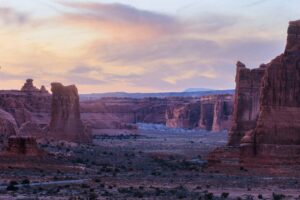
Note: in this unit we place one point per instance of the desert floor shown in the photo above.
(154, 163)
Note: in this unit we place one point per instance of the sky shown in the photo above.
(138, 45)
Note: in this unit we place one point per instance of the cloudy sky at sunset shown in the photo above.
(138, 45)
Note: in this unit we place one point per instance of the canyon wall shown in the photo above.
(183, 115)
(27, 104)
(246, 105)
(31, 109)
(212, 113)
(276, 137)
(266, 122)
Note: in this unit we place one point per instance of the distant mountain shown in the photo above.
(197, 90)
(94, 96)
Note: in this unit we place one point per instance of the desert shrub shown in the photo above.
(225, 195)
(83, 185)
(25, 182)
(12, 186)
(138, 194)
(93, 196)
(97, 180)
(209, 196)
(277, 196)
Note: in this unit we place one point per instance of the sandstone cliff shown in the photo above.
(267, 108)
(246, 105)
(186, 115)
(27, 105)
(66, 121)
(212, 113)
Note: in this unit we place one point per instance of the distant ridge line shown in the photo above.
(94, 96)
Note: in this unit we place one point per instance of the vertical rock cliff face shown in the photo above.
(277, 133)
(223, 110)
(65, 122)
(183, 116)
(212, 113)
(267, 108)
(246, 105)
(206, 115)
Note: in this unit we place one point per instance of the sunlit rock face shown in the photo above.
(267, 114)
(66, 122)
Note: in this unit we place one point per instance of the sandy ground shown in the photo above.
(155, 164)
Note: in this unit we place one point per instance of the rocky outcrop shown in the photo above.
(23, 146)
(175, 112)
(66, 121)
(212, 113)
(183, 116)
(27, 105)
(246, 106)
(106, 113)
(276, 136)
(223, 110)
(44, 90)
(32, 129)
(8, 126)
(29, 87)
(267, 108)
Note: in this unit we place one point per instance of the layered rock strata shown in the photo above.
(246, 105)
(184, 115)
(28, 104)
(212, 113)
(266, 125)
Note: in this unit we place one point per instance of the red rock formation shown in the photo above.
(276, 137)
(267, 108)
(246, 106)
(223, 110)
(108, 113)
(27, 105)
(43, 89)
(23, 146)
(8, 126)
(208, 112)
(183, 116)
(66, 122)
(29, 87)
